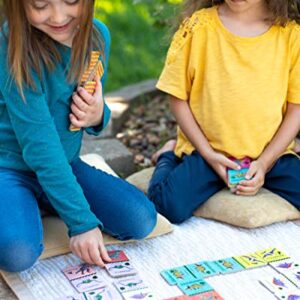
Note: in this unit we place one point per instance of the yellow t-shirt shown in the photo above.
(237, 87)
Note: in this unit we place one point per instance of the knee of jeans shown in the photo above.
(176, 215)
(17, 256)
(142, 222)
(173, 206)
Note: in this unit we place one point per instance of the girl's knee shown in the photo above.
(172, 206)
(17, 256)
(175, 214)
(142, 221)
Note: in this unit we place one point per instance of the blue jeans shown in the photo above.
(178, 186)
(125, 212)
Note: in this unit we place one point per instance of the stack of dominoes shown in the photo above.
(90, 285)
(95, 68)
(191, 278)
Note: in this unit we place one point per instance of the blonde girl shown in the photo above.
(45, 47)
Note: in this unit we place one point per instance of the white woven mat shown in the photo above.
(195, 240)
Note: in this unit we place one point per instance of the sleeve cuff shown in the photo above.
(84, 228)
(96, 130)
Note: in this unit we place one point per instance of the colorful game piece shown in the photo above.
(169, 279)
(181, 297)
(73, 297)
(286, 265)
(120, 269)
(105, 293)
(293, 277)
(236, 176)
(290, 269)
(88, 283)
(203, 269)
(271, 254)
(228, 265)
(195, 287)
(78, 271)
(288, 294)
(117, 256)
(179, 275)
(139, 294)
(131, 283)
(250, 261)
(211, 295)
(186, 297)
(276, 283)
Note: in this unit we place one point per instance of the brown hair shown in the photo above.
(28, 47)
(281, 10)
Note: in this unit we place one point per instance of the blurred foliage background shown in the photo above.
(140, 31)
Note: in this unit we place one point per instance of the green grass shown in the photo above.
(138, 39)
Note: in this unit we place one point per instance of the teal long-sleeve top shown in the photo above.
(35, 135)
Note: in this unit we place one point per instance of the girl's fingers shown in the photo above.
(98, 90)
(251, 172)
(95, 256)
(76, 250)
(80, 103)
(240, 193)
(253, 182)
(245, 189)
(104, 253)
(230, 164)
(85, 255)
(75, 122)
(86, 97)
(77, 112)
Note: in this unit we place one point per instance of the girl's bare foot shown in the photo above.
(168, 146)
(297, 145)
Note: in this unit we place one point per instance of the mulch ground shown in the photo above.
(149, 126)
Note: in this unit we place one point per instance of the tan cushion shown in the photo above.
(263, 209)
(56, 239)
(141, 179)
(250, 212)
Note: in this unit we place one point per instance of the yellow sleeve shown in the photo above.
(294, 77)
(175, 78)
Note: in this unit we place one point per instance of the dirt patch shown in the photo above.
(149, 126)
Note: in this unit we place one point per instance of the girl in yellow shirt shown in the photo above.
(233, 76)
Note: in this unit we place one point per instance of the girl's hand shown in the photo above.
(87, 110)
(89, 247)
(255, 179)
(219, 162)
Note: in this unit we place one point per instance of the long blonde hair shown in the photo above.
(28, 47)
(281, 10)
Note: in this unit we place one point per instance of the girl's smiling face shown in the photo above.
(59, 19)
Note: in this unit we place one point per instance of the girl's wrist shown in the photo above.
(206, 152)
(265, 162)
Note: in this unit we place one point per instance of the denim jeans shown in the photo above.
(180, 185)
(125, 212)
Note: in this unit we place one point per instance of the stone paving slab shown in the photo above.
(131, 92)
(115, 154)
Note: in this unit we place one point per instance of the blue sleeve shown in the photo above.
(105, 35)
(43, 153)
